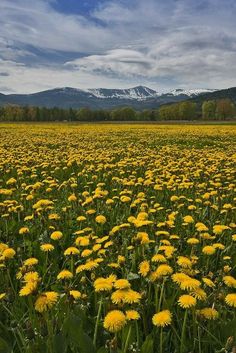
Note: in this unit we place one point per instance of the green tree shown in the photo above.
(187, 111)
(85, 114)
(123, 114)
(209, 110)
(225, 109)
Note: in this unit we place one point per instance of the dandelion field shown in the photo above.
(117, 238)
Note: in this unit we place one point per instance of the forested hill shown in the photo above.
(229, 93)
(218, 105)
(139, 98)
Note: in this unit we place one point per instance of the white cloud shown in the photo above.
(115, 62)
(23, 79)
(36, 23)
(190, 43)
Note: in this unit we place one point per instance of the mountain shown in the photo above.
(139, 97)
(220, 94)
(137, 93)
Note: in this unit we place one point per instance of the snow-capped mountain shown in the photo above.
(139, 93)
(139, 97)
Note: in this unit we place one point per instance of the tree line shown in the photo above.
(222, 109)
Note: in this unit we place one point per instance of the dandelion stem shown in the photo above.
(72, 264)
(161, 340)
(161, 296)
(97, 322)
(199, 340)
(156, 297)
(11, 283)
(137, 334)
(127, 339)
(182, 343)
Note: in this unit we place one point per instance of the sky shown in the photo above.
(162, 44)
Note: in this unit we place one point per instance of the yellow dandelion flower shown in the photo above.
(80, 268)
(2, 296)
(100, 219)
(121, 259)
(132, 296)
(72, 198)
(90, 265)
(229, 281)
(75, 294)
(227, 268)
(218, 246)
(132, 315)
(114, 321)
(81, 218)
(118, 296)
(122, 284)
(162, 319)
(46, 301)
(184, 262)
(3, 247)
(199, 294)
(187, 301)
(31, 261)
(158, 258)
(144, 268)
(65, 274)
(86, 253)
(32, 276)
(108, 244)
(208, 250)
(163, 270)
(230, 299)
(71, 251)
(188, 219)
(82, 241)
(103, 284)
(208, 282)
(9, 253)
(24, 230)
(190, 284)
(47, 247)
(28, 289)
(192, 241)
(56, 235)
(219, 229)
(208, 313)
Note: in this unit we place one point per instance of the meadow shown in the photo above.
(117, 238)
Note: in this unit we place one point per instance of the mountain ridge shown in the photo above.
(138, 97)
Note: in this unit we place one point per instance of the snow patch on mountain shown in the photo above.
(136, 93)
(190, 92)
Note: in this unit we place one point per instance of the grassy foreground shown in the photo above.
(117, 238)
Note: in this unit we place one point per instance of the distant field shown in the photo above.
(118, 237)
(169, 122)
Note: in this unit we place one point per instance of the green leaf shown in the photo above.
(102, 350)
(59, 343)
(4, 347)
(147, 346)
(73, 328)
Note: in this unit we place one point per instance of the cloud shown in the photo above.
(37, 24)
(4, 74)
(193, 56)
(24, 79)
(121, 62)
(189, 44)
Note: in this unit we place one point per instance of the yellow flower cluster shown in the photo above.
(130, 228)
